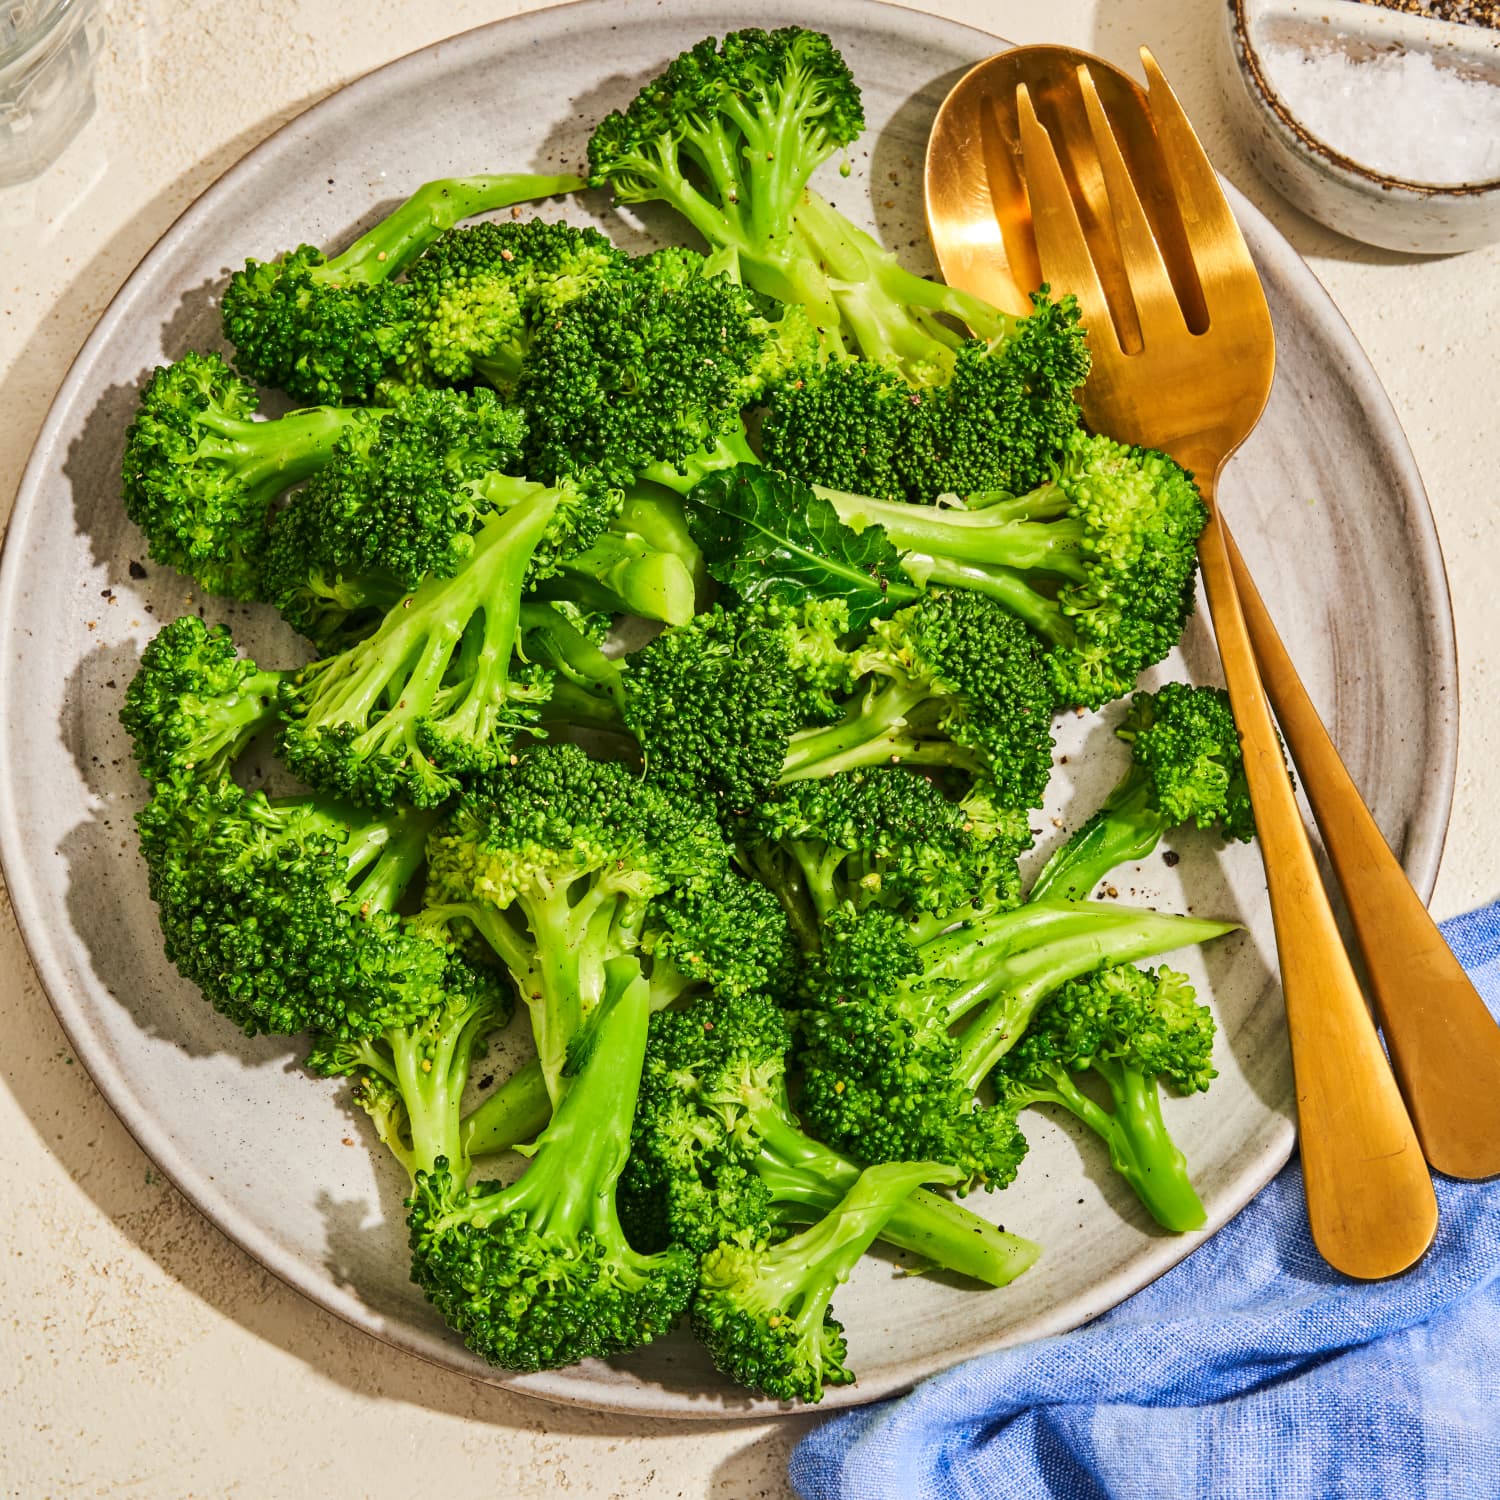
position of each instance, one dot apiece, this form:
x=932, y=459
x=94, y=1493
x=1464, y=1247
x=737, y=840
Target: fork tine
x=1205, y=213
x=1151, y=288
x=1061, y=247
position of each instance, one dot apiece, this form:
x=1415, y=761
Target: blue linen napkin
x=1249, y=1372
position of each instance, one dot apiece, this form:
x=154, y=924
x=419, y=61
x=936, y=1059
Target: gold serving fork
x=1086, y=182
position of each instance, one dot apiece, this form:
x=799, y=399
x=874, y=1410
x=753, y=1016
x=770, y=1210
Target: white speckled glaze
x=1336, y=190
x=1326, y=502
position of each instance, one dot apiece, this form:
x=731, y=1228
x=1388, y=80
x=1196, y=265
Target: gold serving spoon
x=1048, y=164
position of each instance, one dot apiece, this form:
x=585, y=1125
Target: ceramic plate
x=1325, y=500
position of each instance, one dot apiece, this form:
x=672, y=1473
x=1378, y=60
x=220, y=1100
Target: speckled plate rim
x=1425, y=832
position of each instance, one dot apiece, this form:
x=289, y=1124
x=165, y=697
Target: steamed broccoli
x=194, y=704
x=410, y=1077
x=640, y=376
x=331, y=330
x=762, y=1310
x=993, y=416
x=880, y=837
x=283, y=912
x=1185, y=767
x=1099, y=561
x=540, y=1274
x=557, y=860
x=953, y=682
x=399, y=501
x=480, y=293
x=899, y=1035
x=728, y=135
x=1129, y=1028
x=717, y=1153
x=200, y=473
x=434, y=691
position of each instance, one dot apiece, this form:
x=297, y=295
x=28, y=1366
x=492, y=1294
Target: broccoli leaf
x=770, y=537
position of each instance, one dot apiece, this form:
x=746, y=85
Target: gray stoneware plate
x=1325, y=500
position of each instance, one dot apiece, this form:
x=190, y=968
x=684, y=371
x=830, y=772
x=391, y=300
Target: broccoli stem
x=807, y=1175
x=1000, y=584
x=798, y=1277
x=270, y=457
x=629, y=576
x=568, y=1188
x=432, y=1071
x=873, y=732
x=890, y=309
x=405, y=660
x=393, y=244
x=1015, y=983
x=1140, y=1149
x=1045, y=539
x=1125, y=828
x=397, y=844
x=516, y=1112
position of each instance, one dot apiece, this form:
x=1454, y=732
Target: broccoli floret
x=952, y=682
x=479, y=294
x=434, y=691
x=399, y=501
x=540, y=1274
x=1185, y=767
x=722, y=935
x=879, y=837
x=195, y=703
x=728, y=135
x=1129, y=1028
x=556, y=860
x=284, y=912
x=1099, y=561
x=996, y=420
x=717, y=1154
x=898, y=1035
x=642, y=378
x=331, y=330
x=200, y=473
x=763, y=1311
x=410, y=1079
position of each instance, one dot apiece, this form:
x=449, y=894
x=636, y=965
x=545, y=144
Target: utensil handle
x=1369, y=1197
x=1444, y=1043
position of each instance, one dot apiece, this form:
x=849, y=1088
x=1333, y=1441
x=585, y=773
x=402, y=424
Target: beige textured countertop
x=140, y=1353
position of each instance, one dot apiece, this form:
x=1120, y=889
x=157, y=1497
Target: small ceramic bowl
x=1334, y=188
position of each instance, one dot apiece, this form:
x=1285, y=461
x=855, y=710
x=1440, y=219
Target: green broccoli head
x=283, y=913
x=881, y=1077
x=640, y=374
x=714, y=704
x=540, y=1274
x=482, y=291
x=722, y=935
x=200, y=473
x=763, y=1311
x=298, y=324
x=1186, y=745
x=712, y=1086
x=728, y=136
x=883, y=836
x=955, y=682
x=399, y=501
x=995, y=422
x=332, y=329
x=194, y=704
x=1139, y=515
x=1131, y=1028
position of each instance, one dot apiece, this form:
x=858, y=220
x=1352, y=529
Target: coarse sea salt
x=1397, y=113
